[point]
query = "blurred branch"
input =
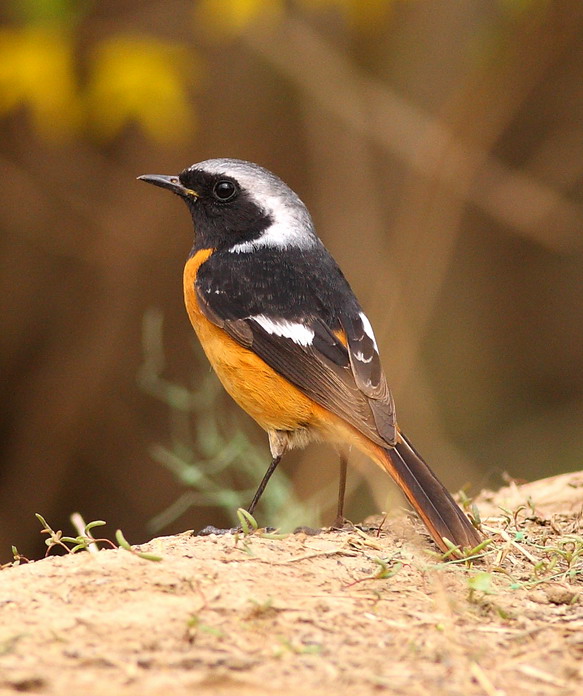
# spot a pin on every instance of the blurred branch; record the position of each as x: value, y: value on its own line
x: 515, y: 198
x: 429, y: 216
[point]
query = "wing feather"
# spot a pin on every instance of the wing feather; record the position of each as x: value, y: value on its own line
x: 368, y: 374
x: 347, y: 380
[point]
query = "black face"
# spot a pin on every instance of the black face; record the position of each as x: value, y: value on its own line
x: 223, y: 213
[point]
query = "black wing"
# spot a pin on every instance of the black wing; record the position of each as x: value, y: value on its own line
x: 347, y: 380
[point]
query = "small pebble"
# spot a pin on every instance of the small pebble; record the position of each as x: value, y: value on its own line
x: 556, y: 594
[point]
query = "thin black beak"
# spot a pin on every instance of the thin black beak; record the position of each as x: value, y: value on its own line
x: 172, y: 183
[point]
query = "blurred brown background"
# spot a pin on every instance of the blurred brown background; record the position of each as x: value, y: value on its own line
x: 439, y: 146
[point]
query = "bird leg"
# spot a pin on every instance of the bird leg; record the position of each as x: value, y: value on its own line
x: 211, y: 529
x: 339, y: 521
x: 264, y: 481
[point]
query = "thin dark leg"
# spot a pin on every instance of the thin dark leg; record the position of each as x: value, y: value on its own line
x: 264, y: 481
x: 339, y: 521
x: 210, y: 529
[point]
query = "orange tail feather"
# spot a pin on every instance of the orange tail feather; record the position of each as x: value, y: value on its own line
x: 438, y: 510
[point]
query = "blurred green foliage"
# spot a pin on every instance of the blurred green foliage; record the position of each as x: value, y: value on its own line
x: 64, y: 12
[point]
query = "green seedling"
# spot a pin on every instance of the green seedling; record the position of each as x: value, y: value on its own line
x: 456, y: 554
x: 387, y: 569
x: 195, y: 624
x: 249, y: 526
x: 82, y: 542
x: 247, y: 522
x: 124, y: 544
x: 18, y: 557
x: 479, y: 583
x: 301, y: 649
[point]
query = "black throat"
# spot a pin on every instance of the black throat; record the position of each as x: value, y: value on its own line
x: 222, y: 224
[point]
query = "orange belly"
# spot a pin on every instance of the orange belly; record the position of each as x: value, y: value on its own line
x: 266, y: 396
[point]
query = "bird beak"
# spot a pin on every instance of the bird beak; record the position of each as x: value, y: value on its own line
x: 172, y: 183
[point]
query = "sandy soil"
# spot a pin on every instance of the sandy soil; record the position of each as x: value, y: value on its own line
x: 345, y: 612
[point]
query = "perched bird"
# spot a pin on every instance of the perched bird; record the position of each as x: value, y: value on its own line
x: 285, y: 334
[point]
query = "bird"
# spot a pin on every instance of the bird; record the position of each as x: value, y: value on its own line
x: 286, y: 336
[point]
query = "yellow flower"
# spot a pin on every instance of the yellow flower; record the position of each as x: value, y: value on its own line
x: 144, y: 81
x: 37, y: 71
x: 229, y: 17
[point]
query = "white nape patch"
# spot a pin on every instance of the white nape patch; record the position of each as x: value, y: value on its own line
x: 284, y: 232
x: 368, y: 330
x: 300, y: 334
x: 292, y: 225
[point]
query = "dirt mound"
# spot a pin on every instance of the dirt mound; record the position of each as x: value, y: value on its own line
x: 343, y: 612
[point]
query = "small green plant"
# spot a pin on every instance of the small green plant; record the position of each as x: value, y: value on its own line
x: 249, y: 527
x: 288, y: 645
x: 124, y: 544
x: 478, y: 585
x: 471, y: 508
x: 84, y: 541
x: 247, y: 522
x: 195, y: 625
x: 457, y: 554
x: 260, y: 608
x: 18, y: 557
x: 387, y: 568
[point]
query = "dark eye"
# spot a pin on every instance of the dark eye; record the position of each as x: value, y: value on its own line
x: 224, y: 191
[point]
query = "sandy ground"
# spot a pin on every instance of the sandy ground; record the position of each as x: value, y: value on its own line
x: 344, y: 612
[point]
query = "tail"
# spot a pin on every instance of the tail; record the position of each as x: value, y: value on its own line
x: 438, y: 510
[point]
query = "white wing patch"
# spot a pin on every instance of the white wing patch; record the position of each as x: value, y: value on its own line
x: 298, y: 333
x: 360, y: 356
x: 368, y: 330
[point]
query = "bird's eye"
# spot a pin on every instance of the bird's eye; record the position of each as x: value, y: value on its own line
x: 224, y: 191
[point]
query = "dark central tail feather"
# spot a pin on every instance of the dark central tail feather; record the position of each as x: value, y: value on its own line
x: 438, y: 510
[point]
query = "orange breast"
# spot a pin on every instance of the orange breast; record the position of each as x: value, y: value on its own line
x: 266, y: 396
